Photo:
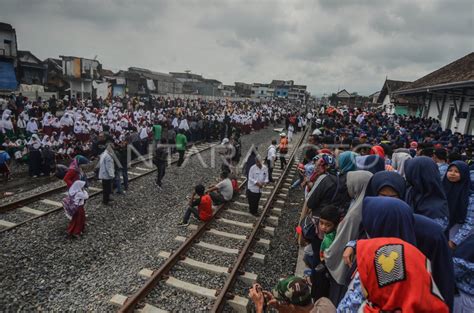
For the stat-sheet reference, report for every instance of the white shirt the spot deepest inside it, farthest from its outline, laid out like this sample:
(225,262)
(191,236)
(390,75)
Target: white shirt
(257,175)
(271,154)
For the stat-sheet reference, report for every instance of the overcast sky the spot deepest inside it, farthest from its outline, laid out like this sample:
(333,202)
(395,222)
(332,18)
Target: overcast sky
(326,44)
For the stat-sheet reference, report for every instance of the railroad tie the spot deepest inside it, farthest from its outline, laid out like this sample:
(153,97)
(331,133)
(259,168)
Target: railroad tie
(52,203)
(248,278)
(94,189)
(256,256)
(143,169)
(31,211)
(263,242)
(239,304)
(118,300)
(148,308)
(134,173)
(7,223)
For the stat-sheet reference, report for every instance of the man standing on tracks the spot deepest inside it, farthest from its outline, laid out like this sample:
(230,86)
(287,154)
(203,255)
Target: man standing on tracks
(271,158)
(106,173)
(283,150)
(156,133)
(181,143)
(160,159)
(257,179)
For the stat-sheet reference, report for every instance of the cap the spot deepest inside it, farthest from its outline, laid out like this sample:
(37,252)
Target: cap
(282,135)
(293,290)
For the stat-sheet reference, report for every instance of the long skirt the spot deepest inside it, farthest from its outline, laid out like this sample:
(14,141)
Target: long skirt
(78,222)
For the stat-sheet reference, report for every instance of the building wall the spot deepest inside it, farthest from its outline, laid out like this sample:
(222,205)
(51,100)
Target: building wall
(10,49)
(448,119)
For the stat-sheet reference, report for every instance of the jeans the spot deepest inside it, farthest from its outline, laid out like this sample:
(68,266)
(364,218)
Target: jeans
(217,198)
(190,210)
(117,183)
(296,184)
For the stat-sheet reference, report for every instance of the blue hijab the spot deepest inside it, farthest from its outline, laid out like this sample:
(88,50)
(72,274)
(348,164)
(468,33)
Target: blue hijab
(388,217)
(372,163)
(386,179)
(432,242)
(347,162)
(426,194)
(458,194)
(465,250)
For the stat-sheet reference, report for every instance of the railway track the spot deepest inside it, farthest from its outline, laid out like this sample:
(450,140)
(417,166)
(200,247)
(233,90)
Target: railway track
(231,215)
(26,209)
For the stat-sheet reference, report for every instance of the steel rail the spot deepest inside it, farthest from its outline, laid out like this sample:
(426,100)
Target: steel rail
(162,272)
(178,255)
(223,294)
(35,197)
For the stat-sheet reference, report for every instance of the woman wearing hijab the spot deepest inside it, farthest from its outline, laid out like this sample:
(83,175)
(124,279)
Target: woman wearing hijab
(425,194)
(75,172)
(398,161)
(371,163)
(464,276)
(457,186)
(431,240)
(348,228)
(381,217)
(34,156)
(389,184)
(395,277)
(347,162)
(74,208)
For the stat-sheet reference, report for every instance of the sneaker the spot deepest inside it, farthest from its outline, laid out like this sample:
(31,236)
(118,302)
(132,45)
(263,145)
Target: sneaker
(182,224)
(159,187)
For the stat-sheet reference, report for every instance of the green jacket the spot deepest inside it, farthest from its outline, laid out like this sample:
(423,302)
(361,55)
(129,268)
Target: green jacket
(157,132)
(181,142)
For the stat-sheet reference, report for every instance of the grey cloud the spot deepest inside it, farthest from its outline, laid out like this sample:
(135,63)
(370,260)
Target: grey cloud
(325,42)
(263,21)
(437,18)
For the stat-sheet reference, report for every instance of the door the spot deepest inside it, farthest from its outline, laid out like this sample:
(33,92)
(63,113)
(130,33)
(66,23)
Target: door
(450,118)
(470,123)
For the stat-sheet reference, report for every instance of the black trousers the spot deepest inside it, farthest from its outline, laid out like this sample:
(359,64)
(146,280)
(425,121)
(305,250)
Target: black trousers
(270,170)
(253,199)
(282,161)
(106,190)
(181,157)
(161,168)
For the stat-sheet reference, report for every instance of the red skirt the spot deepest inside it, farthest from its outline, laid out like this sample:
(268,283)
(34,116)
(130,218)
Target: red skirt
(78,223)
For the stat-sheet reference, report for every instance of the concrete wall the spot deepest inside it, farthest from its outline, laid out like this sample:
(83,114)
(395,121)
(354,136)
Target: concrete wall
(9,50)
(449,114)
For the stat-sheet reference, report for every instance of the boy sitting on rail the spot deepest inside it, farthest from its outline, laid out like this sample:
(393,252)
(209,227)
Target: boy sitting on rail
(200,206)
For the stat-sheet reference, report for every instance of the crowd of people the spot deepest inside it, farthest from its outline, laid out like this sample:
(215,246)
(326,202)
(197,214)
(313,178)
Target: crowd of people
(41,133)
(388,220)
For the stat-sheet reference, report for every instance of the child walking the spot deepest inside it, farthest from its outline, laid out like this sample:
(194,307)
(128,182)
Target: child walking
(74,208)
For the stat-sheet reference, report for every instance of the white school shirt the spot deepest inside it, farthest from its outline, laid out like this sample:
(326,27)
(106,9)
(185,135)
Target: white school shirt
(257,175)
(271,154)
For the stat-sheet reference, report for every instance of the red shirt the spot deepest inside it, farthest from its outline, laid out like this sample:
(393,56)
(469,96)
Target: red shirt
(205,208)
(70,177)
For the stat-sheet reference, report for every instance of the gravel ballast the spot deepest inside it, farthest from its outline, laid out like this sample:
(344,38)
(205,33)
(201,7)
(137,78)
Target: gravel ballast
(43,270)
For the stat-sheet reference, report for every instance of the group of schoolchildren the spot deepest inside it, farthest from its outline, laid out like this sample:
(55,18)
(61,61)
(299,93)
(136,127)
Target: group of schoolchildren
(388,221)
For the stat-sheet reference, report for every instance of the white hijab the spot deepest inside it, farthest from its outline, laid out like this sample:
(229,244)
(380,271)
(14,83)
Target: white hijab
(78,193)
